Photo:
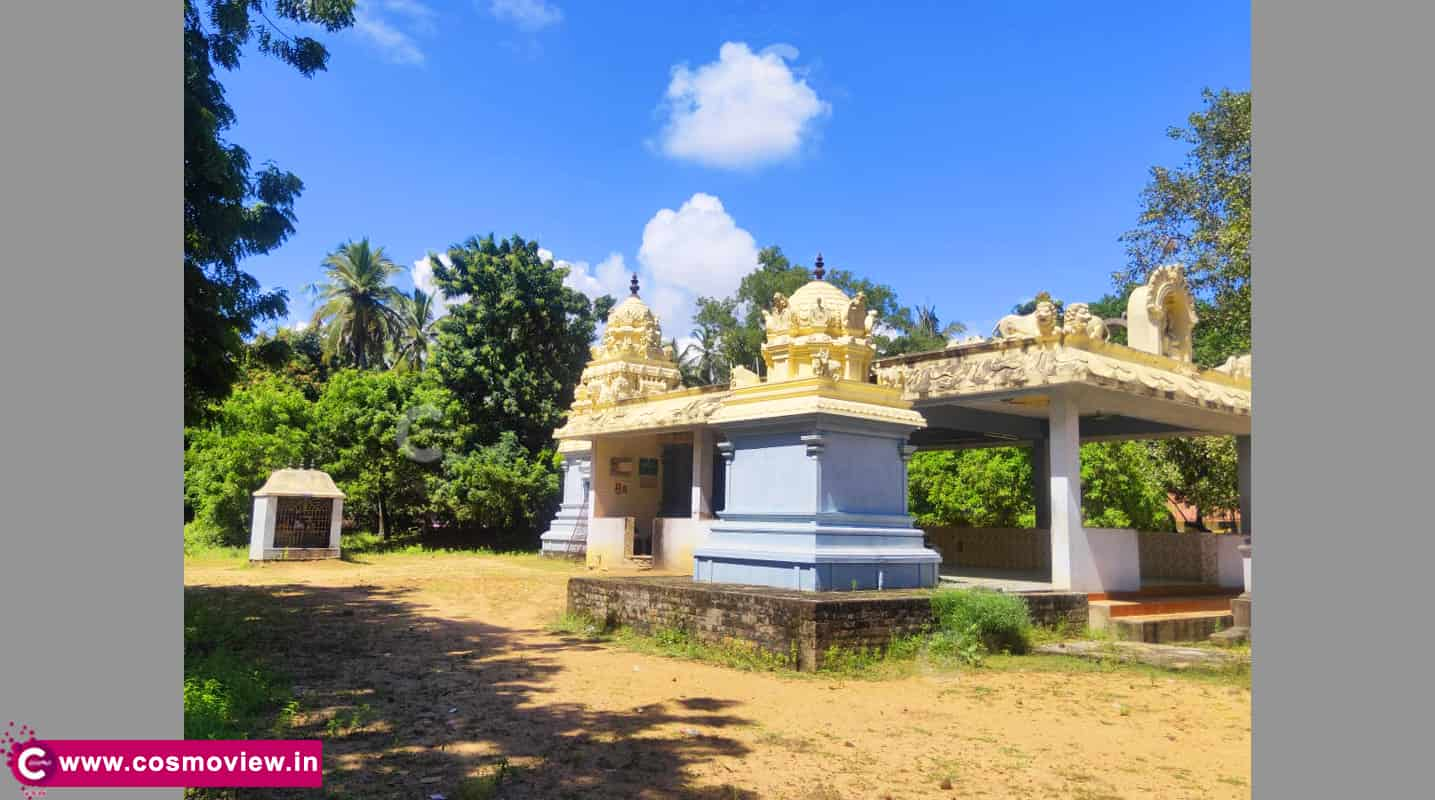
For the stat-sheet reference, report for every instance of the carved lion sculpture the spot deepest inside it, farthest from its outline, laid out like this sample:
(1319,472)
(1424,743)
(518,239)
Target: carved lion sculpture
(1041,322)
(1237,366)
(1079,321)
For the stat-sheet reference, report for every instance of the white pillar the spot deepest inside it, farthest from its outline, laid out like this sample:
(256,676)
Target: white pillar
(261,527)
(336,523)
(1068,539)
(1041,483)
(702,474)
(1243,480)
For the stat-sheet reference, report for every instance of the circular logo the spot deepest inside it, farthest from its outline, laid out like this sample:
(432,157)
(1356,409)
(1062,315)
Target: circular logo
(34,763)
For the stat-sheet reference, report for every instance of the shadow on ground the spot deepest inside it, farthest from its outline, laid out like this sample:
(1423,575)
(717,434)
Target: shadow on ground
(411,706)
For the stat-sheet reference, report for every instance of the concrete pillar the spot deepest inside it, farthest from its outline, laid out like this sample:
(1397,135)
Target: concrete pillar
(702,474)
(1068,539)
(1243,480)
(1041,483)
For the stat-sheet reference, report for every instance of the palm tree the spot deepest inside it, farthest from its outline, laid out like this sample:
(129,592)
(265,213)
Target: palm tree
(357,304)
(414,330)
(929,325)
(702,361)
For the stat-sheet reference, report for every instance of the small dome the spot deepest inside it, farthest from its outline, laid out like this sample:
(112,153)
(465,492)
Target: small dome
(632,313)
(806,298)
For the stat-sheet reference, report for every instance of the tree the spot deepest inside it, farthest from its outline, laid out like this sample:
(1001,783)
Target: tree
(513,352)
(704,361)
(259,428)
(992,488)
(1121,487)
(296,356)
(501,488)
(925,333)
(1200,472)
(382,435)
(231,211)
(357,304)
(1199,214)
(414,331)
(981,488)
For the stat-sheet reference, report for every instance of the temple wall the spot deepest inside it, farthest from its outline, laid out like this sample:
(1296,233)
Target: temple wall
(623,495)
(1190,557)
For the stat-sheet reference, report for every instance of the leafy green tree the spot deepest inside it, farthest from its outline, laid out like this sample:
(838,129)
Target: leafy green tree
(261,427)
(1121,487)
(1200,214)
(992,488)
(296,356)
(986,487)
(514,351)
(414,331)
(382,435)
(502,488)
(230,210)
(357,306)
(1200,472)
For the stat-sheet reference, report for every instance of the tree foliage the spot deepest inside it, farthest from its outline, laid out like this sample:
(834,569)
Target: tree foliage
(513,352)
(1200,472)
(358,309)
(500,487)
(1200,214)
(232,211)
(381,435)
(1121,487)
(261,427)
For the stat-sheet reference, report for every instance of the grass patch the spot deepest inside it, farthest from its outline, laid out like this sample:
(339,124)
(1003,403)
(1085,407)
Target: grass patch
(1235,675)
(1001,622)
(230,692)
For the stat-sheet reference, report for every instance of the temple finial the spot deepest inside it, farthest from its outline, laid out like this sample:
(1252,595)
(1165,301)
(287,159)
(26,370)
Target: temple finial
(817,270)
(633,285)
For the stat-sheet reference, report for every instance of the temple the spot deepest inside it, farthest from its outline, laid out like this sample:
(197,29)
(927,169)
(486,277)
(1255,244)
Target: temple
(798,479)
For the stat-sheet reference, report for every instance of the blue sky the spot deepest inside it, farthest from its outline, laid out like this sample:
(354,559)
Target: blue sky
(968,154)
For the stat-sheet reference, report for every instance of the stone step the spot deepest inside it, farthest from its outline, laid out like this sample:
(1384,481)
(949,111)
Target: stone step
(1193,626)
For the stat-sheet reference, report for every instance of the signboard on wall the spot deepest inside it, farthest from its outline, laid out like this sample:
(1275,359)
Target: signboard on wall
(647,473)
(620,466)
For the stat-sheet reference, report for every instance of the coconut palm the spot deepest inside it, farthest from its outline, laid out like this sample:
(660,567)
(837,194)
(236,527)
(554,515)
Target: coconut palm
(702,362)
(929,325)
(414,331)
(357,309)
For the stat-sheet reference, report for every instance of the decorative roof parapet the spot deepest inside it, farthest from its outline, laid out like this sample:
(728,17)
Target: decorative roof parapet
(1161,314)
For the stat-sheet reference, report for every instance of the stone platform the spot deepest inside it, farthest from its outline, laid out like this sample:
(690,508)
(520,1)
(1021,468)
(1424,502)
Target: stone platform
(802,625)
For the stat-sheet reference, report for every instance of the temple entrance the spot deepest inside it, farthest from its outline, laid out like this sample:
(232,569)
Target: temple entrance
(677,480)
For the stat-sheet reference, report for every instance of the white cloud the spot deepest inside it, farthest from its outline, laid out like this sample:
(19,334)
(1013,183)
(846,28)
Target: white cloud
(299,325)
(744,110)
(694,251)
(378,22)
(527,15)
(423,278)
(698,247)
(609,277)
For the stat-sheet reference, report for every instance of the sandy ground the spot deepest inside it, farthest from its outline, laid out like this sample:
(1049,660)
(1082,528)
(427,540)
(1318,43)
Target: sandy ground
(437,667)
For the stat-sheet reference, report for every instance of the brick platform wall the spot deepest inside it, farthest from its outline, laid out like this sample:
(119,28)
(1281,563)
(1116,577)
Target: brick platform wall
(800,624)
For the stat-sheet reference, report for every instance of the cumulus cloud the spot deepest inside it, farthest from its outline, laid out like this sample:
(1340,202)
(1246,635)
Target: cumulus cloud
(698,247)
(526,15)
(695,250)
(390,27)
(744,110)
(609,277)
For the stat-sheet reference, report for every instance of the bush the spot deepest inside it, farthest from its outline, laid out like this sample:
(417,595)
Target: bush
(1001,622)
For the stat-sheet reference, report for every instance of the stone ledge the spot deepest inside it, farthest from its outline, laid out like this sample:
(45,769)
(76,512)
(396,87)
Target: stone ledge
(800,625)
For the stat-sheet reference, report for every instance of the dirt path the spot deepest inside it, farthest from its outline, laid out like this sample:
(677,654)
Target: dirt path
(434,668)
